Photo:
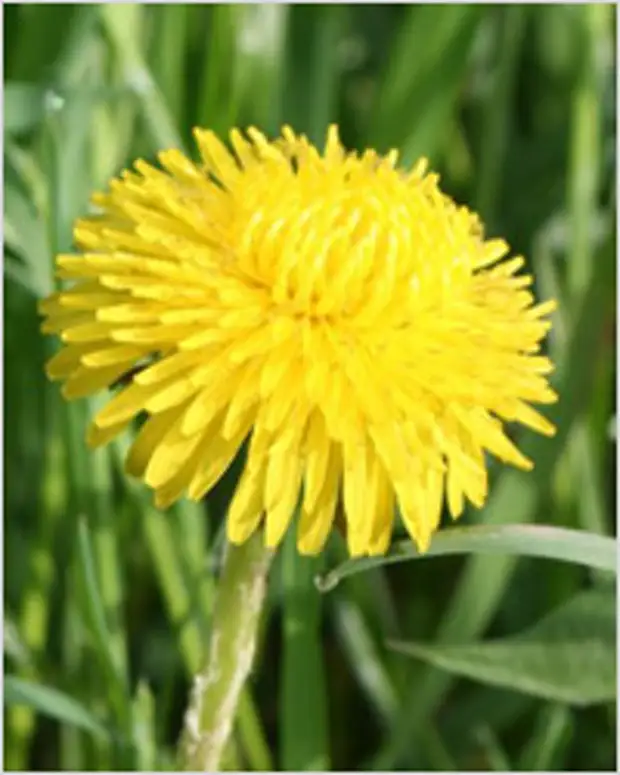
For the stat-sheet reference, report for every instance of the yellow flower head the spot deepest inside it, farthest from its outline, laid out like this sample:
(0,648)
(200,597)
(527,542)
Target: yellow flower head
(344,316)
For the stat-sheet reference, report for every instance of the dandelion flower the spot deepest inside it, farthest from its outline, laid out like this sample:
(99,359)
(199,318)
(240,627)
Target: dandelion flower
(343,316)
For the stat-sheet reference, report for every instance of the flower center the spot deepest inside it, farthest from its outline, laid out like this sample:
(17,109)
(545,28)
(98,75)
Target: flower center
(341,247)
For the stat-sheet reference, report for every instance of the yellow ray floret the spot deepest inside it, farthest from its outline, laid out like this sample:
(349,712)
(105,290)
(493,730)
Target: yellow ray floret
(344,316)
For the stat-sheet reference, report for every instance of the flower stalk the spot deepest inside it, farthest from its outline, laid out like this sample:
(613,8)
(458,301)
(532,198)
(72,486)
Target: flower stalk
(217,687)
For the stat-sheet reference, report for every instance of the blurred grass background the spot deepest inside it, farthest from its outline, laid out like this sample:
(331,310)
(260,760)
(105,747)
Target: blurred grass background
(107,602)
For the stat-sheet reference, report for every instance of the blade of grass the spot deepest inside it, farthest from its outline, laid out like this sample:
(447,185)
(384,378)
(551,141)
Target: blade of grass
(420,84)
(303,721)
(584,180)
(53,703)
(219,94)
(34,617)
(366,660)
(28,171)
(98,626)
(99,536)
(190,522)
(493,750)
(73,753)
(24,228)
(167,55)
(313,73)
(497,119)
(107,553)
(79,41)
(261,64)
(499,707)
(438,754)
(57,129)
(67,146)
(97,586)
(161,541)
(144,739)
(113,125)
(585,148)
(556,543)
(252,735)
(122,24)
(587,468)
(551,734)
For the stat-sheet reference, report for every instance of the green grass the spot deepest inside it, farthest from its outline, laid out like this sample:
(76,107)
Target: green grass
(107,602)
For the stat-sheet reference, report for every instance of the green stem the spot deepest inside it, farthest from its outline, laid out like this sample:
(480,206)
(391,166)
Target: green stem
(217,687)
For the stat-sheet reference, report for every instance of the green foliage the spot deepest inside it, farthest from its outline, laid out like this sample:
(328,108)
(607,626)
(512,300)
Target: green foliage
(569,656)
(555,543)
(108,602)
(53,703)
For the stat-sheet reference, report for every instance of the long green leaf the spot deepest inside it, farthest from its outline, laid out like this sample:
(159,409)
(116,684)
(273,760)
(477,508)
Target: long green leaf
(569,656)
(52,703)
(144,738)
(95,611)
(554,543)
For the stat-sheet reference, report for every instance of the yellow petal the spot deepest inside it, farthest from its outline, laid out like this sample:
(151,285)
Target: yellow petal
(169,395)
(319,451)
(97,437)
(383,512)
(317,516)
(246,508)
(355,494)
(282,483)
(127,403)
(85,381)
(66,360)
(216,156)
(171,452)
(126,354)
(167,367)
(151,433)
(207,403)
(216,460)
(86,332)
